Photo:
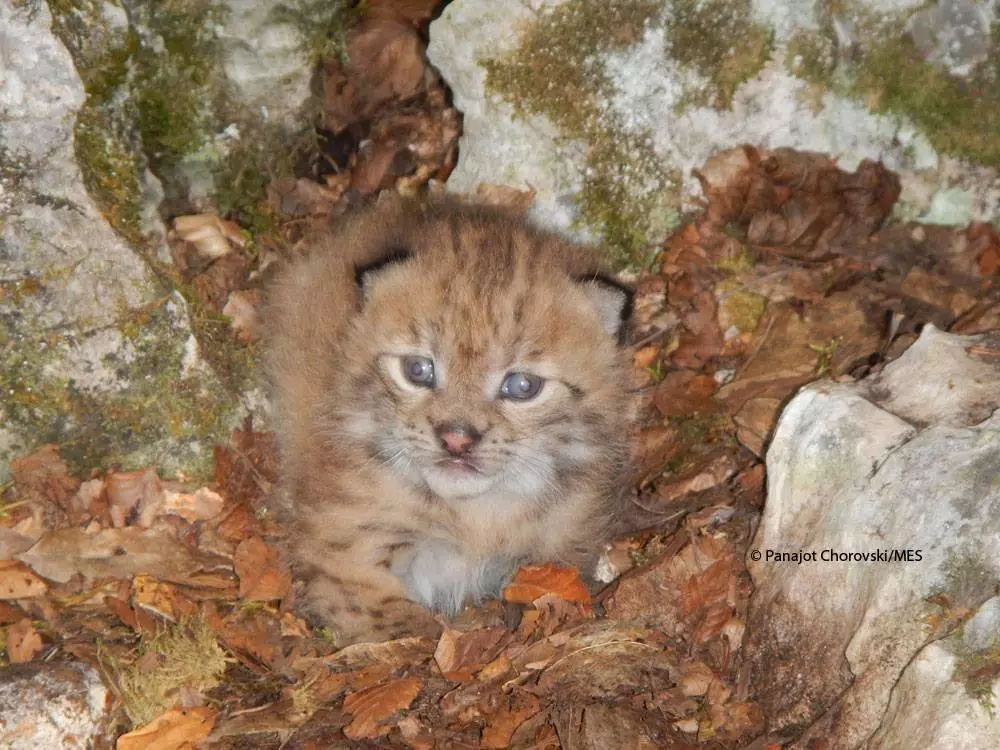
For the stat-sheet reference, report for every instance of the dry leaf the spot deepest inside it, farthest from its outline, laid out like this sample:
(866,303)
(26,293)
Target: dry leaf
(134,496)
(219,280)
(500,727)
(201,505)
(177,729)
(17,582)
(124,553)
(42,476)
(373,707)
(241,309)
(212,236)
(459,655)
(23,642)
(387,62)
(415,734)
(263,575)
(684,392)
(534,581)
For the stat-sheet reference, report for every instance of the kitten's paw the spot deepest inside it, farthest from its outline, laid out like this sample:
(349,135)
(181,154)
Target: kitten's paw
(439,576)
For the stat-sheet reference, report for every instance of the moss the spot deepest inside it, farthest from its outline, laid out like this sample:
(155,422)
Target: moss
(811,56)
(958,116)
(742,309)
(323,25)
(182,656)
(825,354)
(737,264)
(720,40)
(158,415)
(110,170)
(173,73)
(889,75)
(977,670)
(625,186)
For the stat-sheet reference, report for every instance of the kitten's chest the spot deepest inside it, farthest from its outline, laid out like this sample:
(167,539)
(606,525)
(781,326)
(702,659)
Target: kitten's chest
(497,523)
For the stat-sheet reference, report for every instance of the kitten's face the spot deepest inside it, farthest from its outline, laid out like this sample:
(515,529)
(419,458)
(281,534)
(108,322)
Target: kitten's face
(474,379)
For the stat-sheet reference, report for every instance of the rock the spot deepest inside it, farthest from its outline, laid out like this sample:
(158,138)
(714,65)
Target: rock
(954,33)
(605,108)
(95,353)
(883,499)
(946,674)
(45,705)
(264,57)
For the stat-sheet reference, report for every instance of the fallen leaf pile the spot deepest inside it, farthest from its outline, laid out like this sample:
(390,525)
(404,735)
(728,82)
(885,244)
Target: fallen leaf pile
(180,596)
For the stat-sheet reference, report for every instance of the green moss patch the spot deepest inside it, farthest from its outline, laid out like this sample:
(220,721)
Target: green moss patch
(557,71)
(184,655)
(958,115)
(720,40)
(157,414)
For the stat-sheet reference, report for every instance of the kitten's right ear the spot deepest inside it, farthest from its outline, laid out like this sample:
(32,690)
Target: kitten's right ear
(364,274)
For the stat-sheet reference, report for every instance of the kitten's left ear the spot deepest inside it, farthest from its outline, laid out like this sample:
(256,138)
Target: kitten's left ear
(613,301)
(364,274)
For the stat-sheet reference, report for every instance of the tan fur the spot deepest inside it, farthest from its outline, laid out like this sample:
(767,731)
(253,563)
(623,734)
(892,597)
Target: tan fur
(483,293)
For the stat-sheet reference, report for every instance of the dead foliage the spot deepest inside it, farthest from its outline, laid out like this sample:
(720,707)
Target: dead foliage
(180,597)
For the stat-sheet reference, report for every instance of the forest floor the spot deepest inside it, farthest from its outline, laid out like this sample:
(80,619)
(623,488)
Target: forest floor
(177,594)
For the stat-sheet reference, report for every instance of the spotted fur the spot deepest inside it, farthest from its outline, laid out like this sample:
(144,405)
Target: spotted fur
(381,532)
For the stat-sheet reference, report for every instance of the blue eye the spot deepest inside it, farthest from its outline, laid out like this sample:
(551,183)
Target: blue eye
(521,386)
(419,370)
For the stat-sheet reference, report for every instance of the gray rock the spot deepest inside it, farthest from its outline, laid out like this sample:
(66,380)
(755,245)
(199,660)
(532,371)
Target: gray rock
(95,353)
(893,481)
(954,33)
(50,706)
(608,131)
(265,59)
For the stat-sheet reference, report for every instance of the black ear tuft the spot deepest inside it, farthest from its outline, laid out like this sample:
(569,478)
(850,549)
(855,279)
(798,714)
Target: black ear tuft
(613,301)
(364,273)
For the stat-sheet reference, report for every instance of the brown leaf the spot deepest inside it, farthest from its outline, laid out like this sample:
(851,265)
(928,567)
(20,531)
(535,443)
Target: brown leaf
(987,243)
(9,613)
(210,235)
(122,553)
(534,581)
(459,655)
(42,477)
(416,12)
(711,471)
(241,309)
(201,505)
(684,392)
(247,633)
(373,708)
(500,727)
(133,496)
(735,721)
(263,575)
(603,659)
(708,588)
(23,642)
(386,62)
(177,729)
(226,275)
(653,447)
(17,582)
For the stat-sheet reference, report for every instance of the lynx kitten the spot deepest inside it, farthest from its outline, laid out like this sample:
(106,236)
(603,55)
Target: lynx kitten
(451,403)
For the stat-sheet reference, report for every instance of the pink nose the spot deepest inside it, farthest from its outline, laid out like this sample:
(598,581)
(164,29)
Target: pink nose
(457,439)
